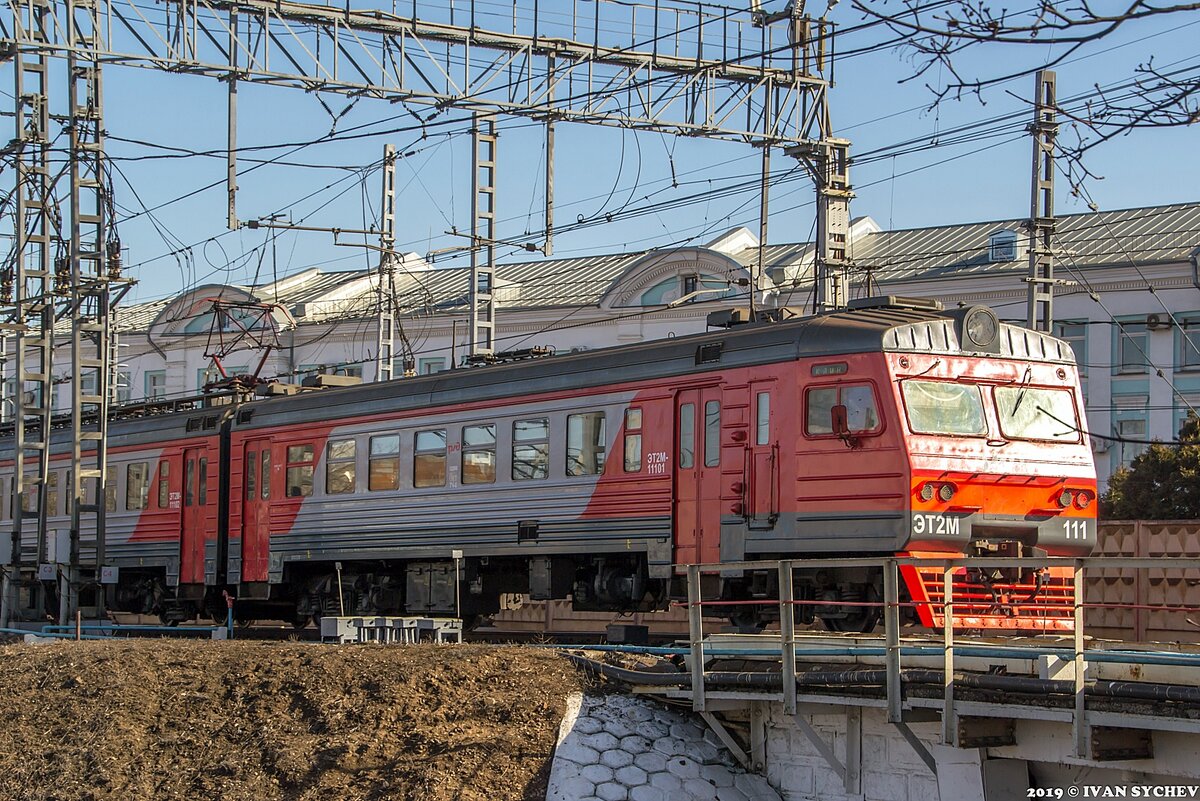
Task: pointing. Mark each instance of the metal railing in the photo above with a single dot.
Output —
(1077, 654)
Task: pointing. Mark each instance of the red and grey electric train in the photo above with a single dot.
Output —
(889, 428)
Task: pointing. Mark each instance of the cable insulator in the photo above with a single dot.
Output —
(114, 259)
(62, 275)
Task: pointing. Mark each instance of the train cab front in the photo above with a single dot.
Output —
(1000, 466)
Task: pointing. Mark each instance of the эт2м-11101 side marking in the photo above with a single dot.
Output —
(889, 428)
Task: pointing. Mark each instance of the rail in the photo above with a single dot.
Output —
(1077, 654)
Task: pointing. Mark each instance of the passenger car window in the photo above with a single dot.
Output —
(762, 421)
(633, 440)
(531, 449)
(712, 433)
(340, 458)
(164, 484)
(299, 471)
(585, 444)
(687, 435)
(137, 485)
(384, 468)
(479, 454)
(429, 459)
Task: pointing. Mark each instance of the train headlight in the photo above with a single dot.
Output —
(1065, 498)
(1083, 500)
(981, 327)
(927, 491)
(946, 492)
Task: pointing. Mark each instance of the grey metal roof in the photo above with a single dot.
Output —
(1145, 235)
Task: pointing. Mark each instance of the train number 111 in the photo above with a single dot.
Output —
(1075, 529)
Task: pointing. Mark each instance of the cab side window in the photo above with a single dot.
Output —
(862, 411)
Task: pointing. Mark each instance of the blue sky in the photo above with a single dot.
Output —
(598, 170)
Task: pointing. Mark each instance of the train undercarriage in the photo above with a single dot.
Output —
(842, 599)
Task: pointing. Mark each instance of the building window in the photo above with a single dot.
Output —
(1132, 347)
(431, 365)
(633, 440)
(123, 391)
(1130, 421)
(762, 420)
(206, 376)
(1002, 246)
(352, 370)
(383, 472)
(308, 371)
(531, 449)
(585, 444)
(1074, 333)
(137, 485)
(299, 471)
(429, 459)
(1187, 349)
(340, 458)
(156, 384)
(479, 454)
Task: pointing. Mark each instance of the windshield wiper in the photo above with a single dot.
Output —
(1021, 395)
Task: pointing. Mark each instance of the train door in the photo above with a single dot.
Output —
(256, 510)
(195, 501)
(698, 475)
(763, 469)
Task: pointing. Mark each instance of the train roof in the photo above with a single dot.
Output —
(868, 329)
(862, 330)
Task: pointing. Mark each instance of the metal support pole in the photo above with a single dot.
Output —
(696, 636)
(832, 274)
(32, 282)
(548, 244)
(1040, 311)
(231, 186)
(483, 235)
(949, 716)
(1079, 719)
(764, 198)
(891, 628)
(89, 310)
(385, 355)
(787, 636)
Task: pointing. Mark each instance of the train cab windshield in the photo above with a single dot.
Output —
(950, 408)
(944, 407)
(1039, 414)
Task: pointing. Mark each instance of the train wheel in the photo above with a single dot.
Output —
(747, 622)
(853, 619)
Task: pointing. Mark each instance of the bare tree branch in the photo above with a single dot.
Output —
(937, 32)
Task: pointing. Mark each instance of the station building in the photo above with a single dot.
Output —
(1132, 311)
